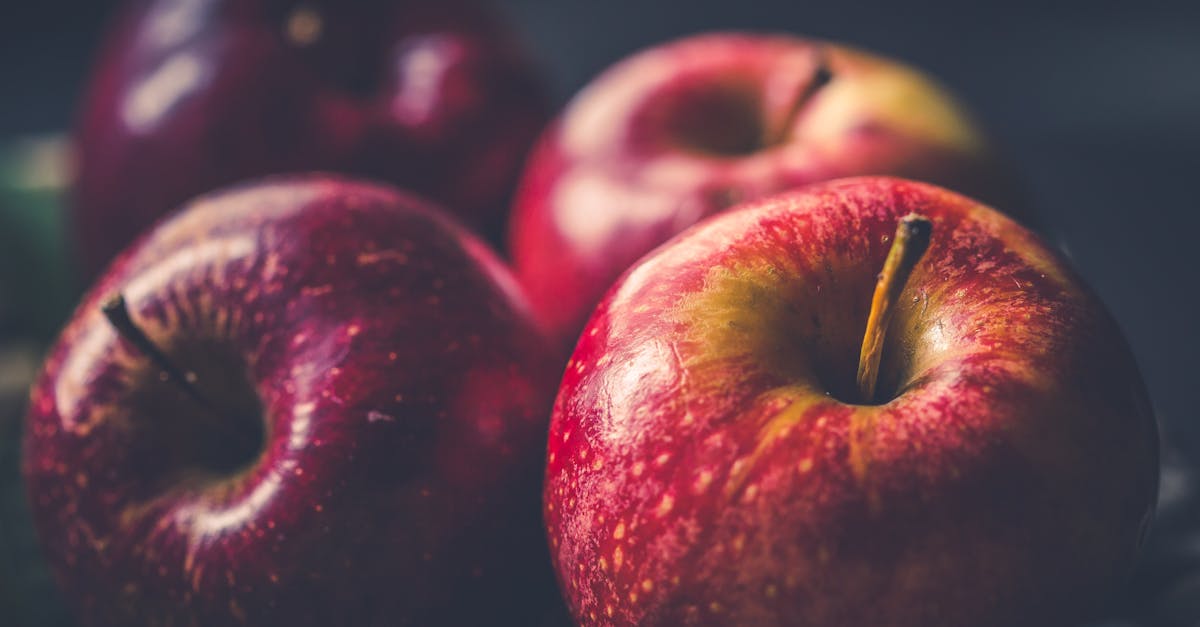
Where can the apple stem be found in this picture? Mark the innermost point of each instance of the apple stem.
(117, 312)
(821, 77)
(912, 239)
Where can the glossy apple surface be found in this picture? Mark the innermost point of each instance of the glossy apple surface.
(190, 95)
(374, 457)
(687, 129)
(710, 464)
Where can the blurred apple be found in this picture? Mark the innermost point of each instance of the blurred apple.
(189, 95)
(686, 129)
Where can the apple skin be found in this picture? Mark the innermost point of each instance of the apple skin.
(703, 471)
(400, 388)
(689, 128)
(191, 95)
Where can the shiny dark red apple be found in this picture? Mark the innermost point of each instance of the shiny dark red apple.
(309, 401)
(713, 462)
(189, 95)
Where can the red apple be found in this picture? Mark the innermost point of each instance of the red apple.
(322, 404)
(689, 128)
(189, 95)
(713, 462)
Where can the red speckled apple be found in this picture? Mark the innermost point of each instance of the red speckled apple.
(308, 401)
(684, 130)
(189, 95)
(712, 460)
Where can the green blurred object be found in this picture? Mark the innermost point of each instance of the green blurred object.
(37, 289)
(37, 292)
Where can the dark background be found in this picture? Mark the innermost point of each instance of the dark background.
(1097, 106)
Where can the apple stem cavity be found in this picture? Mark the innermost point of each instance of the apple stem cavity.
(912, 240)
(821, 77)
(116, 311)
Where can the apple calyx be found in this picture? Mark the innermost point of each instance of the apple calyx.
(821, 77)
(116, 311)
(913, 233)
